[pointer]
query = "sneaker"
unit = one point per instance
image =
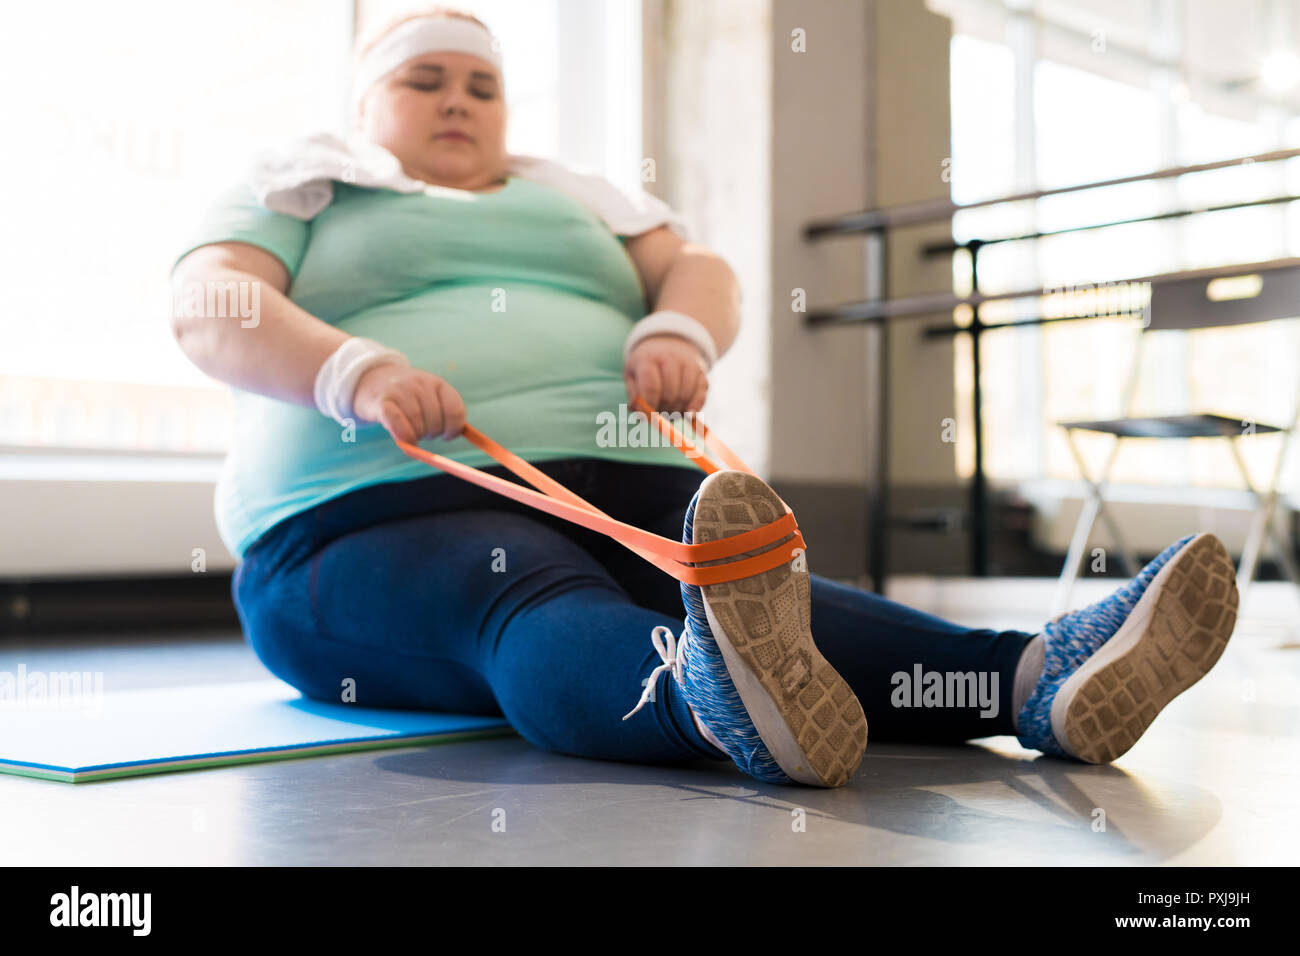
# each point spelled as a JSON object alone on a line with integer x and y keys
{"x": 749, "y": 667}
{"x": 1110, "y": 668}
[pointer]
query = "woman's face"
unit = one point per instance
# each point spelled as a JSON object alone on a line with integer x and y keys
{"x": 414, "y": 111}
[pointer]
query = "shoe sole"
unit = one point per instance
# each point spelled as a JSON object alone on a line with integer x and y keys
{"x": 1176, "y": 633}
{"x": 806, "y": 714}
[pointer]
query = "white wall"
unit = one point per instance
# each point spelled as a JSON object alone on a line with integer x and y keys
{"x": 762, "y": 137}
{"x": 820, "y": 167}
{"x": 709, "y": 131}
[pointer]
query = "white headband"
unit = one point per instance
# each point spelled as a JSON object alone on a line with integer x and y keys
{"x": 419, "y": 36}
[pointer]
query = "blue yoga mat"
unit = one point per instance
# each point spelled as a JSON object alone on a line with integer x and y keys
{"x": 183, "y": 728}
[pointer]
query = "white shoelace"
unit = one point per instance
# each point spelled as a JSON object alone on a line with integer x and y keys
{"x": 666, "y": 645}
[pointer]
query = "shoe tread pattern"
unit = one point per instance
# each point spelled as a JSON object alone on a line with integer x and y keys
{"x": 768, "y": 621}
{"x": 1193, "y": 618}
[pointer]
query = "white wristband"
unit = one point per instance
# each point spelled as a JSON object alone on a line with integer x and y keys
{"x": 336, "y": 382}
{"x": 668, "y": 322}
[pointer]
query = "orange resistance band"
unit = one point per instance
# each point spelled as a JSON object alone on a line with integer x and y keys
{"x": 673, "y": 557}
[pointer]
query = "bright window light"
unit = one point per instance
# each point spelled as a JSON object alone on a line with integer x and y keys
{"x": 1227, "y": 288}
{"x": 1280, "y": 71}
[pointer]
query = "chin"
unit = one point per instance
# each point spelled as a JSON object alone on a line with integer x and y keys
{"x": 445, "y": 169}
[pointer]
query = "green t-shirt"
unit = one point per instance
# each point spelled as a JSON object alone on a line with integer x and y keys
{"x": 520, "y": 299}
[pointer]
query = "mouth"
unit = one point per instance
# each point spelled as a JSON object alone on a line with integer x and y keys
{"x": 453, "y": 135}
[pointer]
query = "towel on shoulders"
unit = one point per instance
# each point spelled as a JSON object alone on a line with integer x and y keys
{"x": 297, "y": 178}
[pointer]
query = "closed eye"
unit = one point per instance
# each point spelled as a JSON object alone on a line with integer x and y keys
{"x": 427, "y": 88}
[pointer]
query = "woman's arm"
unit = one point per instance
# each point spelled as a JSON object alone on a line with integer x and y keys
{"x": 686, "y": 277}
{"x": 670, "y": 371}
{"x": 279, "y": 350}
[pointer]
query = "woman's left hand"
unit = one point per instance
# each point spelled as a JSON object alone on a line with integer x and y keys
{"x": 668, "y": 372}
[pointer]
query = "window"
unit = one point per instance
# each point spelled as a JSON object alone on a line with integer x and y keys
{"x": 1052, "y": 94}
{"x": 136, "y": 119}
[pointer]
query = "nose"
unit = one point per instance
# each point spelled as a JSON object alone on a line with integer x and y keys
{"x": 455, "y": 101}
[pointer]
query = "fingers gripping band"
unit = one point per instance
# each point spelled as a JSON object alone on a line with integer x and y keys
{"x": 674, "y": 558}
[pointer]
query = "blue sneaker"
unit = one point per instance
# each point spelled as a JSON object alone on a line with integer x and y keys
{"x": 747, "y": 662}
{"x": 1110, "y": 668}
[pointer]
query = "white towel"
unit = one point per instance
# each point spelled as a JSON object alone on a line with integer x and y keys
{"x": 297, "y": 178}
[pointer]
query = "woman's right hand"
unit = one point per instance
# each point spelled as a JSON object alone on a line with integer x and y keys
{"x": 409, "y": 402}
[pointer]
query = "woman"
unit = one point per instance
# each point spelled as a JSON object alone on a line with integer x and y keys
{"x": 458, "y": 289}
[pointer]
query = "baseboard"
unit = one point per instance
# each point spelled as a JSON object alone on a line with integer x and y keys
{"x": 87, "y": 515}
{"x": 64, "y": 606}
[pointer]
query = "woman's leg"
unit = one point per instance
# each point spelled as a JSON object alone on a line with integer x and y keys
{"x": 1087, "y": 687}
{"x": 887, "y": 652}
{"x": 476, "y": 611}
{"x": 918, "y": 677}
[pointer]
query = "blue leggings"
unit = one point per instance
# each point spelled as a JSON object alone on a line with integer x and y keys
{"x": 436, "y": 594}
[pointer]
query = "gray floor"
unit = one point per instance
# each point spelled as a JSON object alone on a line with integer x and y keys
{"x": 1215, "y": 781}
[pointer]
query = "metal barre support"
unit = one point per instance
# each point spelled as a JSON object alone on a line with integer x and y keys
{"x": 942, "y": 248}
{"x": 919, "y": 305}
{"x": 918, "y": 213}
